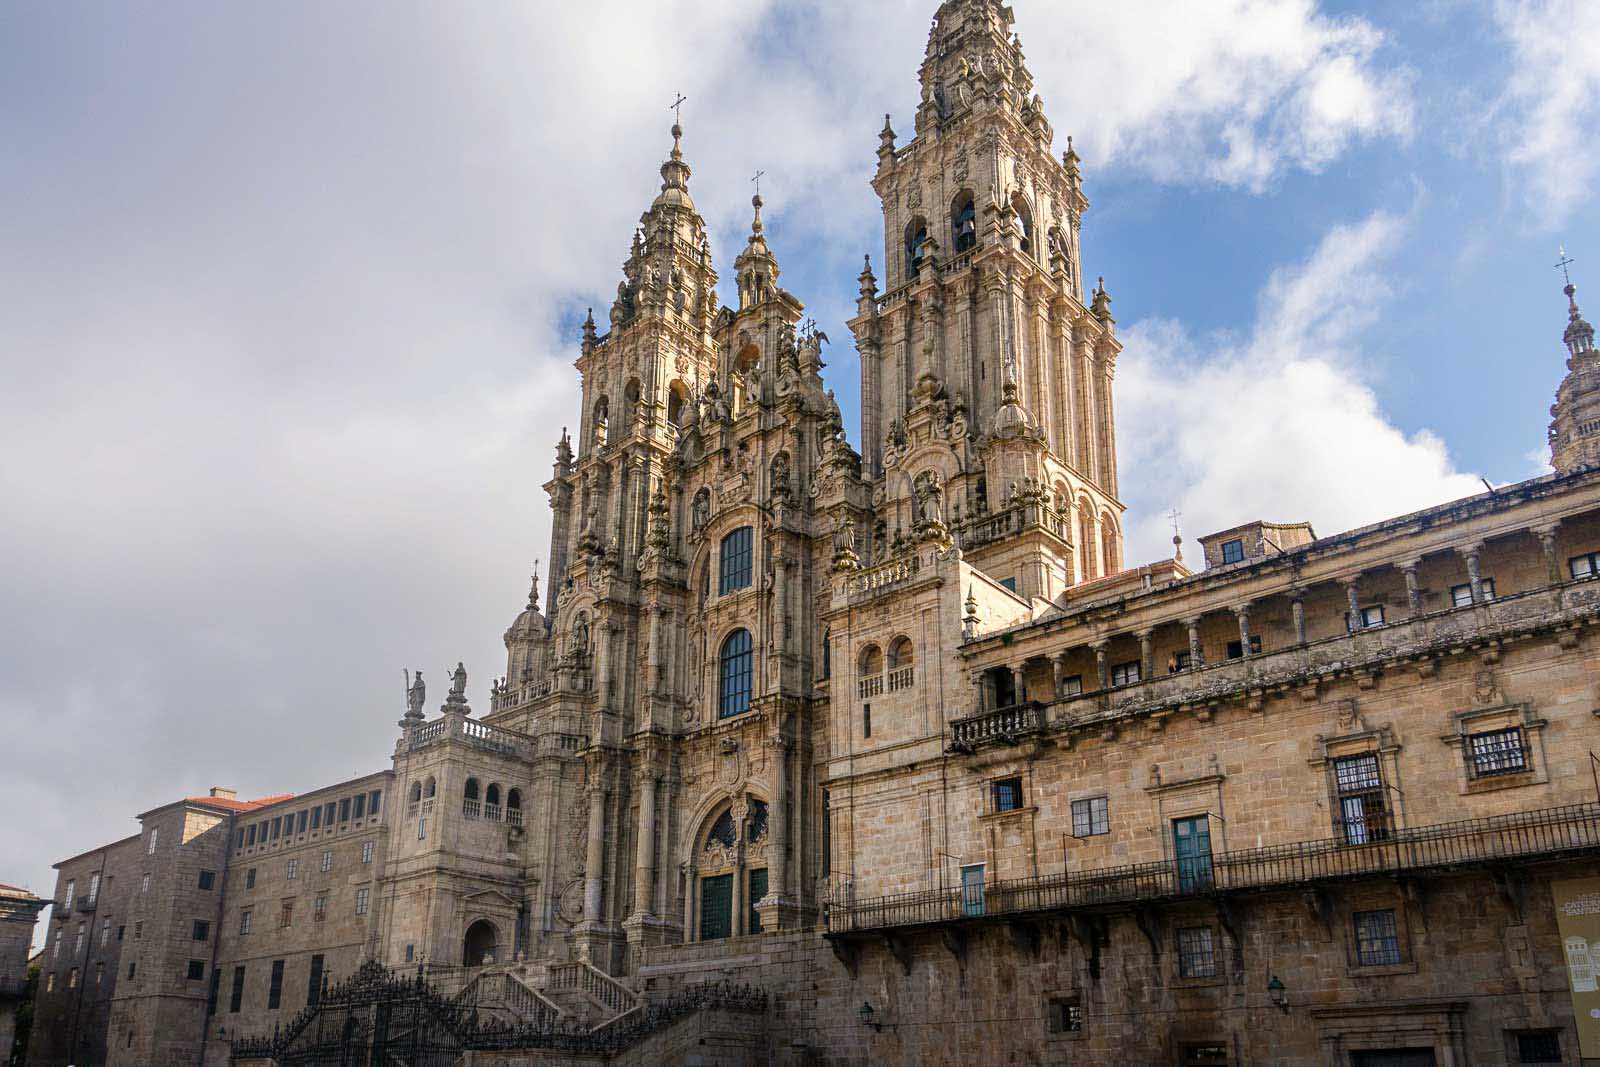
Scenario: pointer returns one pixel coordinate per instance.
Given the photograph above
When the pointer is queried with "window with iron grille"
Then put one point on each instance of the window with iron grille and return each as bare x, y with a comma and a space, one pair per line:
1066, 1015
1181, 661
1377, 938
1362, 813
738, 549
1539, 1046
1584, 566
1497, 752
1197, 957
1008, 794
1091, 817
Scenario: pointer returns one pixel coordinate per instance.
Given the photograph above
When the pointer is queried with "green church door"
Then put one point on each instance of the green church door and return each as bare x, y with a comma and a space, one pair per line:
716, 907
758, 891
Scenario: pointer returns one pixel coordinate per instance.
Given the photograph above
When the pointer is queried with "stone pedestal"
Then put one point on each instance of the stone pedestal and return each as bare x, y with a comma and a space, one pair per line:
781, 913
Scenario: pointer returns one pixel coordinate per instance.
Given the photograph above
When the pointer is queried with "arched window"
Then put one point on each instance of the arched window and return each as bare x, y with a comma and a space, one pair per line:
492, 795
1022, 220
514, 800
469, 799
871, 661
416, 792
758, 820
630, 405
733, 692
472, 789
900, 653
721, 832
916, 239
964, 223
738, 551
1110, 555
598, 426
677, 402
430, 789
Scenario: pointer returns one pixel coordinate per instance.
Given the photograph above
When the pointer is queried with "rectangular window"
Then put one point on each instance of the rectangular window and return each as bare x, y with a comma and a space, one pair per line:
1363, 815
422, 828
827, 835
1585, 566
316, 818
250, 838
737, 556
344, 810
1233, 551
238, 839
1125, 673
72, 978
366, 851
300, 822
1236, 648
1461, 595
277, 827
411, 953
327, 814
1009, 583
1498, 752
151, 850
1197, 957
314, 984
319, 908
244, 922
292, 869
208, 879
1372, 616
105, 932
99, 973
250, 878
197, 971
214, 992
866, 720
1072, 686
1066, 1015
275, 990
1091, 817
94, 887
144, 884
286, 916
133, 968
361, 901
50, 980
1007, 794
360, 806
1539, 1046
72, 890
374, 799
202, 930
236, 998
327, 860
1377, 939
138, 932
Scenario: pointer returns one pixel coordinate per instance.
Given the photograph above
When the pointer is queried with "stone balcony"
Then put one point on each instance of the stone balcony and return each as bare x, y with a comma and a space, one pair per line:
1547, 834
472, 732
1364, 654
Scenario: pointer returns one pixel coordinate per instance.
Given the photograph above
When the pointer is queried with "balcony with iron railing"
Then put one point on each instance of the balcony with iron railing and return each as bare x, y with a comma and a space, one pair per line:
1547, 834
1363, 650
87, 902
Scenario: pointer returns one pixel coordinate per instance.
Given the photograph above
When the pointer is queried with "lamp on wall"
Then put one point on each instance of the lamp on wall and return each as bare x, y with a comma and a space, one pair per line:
1278, 994
866, 1016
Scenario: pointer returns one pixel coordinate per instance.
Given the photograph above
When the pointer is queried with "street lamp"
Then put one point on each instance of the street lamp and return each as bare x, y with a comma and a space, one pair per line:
866, 1016
1278, 994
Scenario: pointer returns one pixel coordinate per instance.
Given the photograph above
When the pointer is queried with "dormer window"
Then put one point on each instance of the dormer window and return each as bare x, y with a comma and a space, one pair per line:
1233, 551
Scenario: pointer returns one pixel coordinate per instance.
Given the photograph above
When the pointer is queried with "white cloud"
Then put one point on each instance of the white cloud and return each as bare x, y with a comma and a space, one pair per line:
1549, 115
1278, 425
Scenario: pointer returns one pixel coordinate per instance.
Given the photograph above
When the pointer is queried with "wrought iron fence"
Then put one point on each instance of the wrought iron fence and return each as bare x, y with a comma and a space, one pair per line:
1523, 835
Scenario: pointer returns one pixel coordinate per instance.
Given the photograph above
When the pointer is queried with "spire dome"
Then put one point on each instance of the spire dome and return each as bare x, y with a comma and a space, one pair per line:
1575, 416
757, 266
1579, 335
675, 176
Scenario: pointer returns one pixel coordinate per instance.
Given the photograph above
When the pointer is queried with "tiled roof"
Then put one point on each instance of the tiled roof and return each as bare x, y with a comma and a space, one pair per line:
238, 805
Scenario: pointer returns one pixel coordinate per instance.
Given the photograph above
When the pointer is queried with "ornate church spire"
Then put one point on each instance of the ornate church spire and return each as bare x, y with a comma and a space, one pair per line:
1575, 416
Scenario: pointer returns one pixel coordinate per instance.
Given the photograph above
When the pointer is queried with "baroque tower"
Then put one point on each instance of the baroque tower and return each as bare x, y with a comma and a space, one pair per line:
1575, 416
982, 340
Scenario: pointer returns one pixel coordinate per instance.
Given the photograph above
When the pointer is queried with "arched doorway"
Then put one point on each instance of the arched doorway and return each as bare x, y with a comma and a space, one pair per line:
478, 948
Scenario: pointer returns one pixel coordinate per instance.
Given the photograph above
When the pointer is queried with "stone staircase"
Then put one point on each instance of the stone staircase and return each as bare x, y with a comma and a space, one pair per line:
556, 996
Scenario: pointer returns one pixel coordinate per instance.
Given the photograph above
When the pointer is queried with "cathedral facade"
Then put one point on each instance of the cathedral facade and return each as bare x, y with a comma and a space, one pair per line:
896, 736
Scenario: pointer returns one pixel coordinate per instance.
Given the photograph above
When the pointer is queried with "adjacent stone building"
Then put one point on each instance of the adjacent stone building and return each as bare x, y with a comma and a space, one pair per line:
897, 736
19, 913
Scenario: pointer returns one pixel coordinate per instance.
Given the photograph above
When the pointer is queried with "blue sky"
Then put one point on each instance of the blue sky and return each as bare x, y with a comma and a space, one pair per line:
291, 297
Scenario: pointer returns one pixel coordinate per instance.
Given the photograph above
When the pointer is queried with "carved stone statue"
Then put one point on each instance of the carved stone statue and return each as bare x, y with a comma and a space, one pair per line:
416, 695
930, 502
458, 685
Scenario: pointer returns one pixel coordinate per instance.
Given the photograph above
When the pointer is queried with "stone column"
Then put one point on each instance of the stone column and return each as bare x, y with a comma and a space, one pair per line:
644, 892
1471, 554
690, 877
602, 663
1018, 688
979, 691
1413, 586
653, 650
1146, 654
594, 869
1100, 666
1242, 612
1352, 592
780, 615
778, 818
1298, 607
1196, 660
1058, 671
1552, 563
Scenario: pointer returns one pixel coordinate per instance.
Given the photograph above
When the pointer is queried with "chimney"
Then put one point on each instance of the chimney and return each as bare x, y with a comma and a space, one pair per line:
219, 793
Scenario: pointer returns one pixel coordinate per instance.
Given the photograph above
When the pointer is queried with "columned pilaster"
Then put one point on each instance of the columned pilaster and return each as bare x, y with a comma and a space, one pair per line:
1352, 592
1196, 660
1297, 607
1413, 586
1242, 613
1101, 668
1472, 554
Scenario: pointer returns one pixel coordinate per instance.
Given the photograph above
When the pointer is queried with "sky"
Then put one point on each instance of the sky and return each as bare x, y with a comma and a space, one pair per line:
290, 295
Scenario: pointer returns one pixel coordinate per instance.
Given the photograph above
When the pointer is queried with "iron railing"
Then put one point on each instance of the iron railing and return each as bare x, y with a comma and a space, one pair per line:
1549, 832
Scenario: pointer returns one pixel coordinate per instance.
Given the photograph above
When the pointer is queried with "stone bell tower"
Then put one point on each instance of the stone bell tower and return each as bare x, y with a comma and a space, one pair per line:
1575, 416
985, 320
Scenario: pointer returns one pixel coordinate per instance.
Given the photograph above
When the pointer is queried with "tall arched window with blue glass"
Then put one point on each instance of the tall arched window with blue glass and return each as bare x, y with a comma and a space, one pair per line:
734, 674
736, 561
